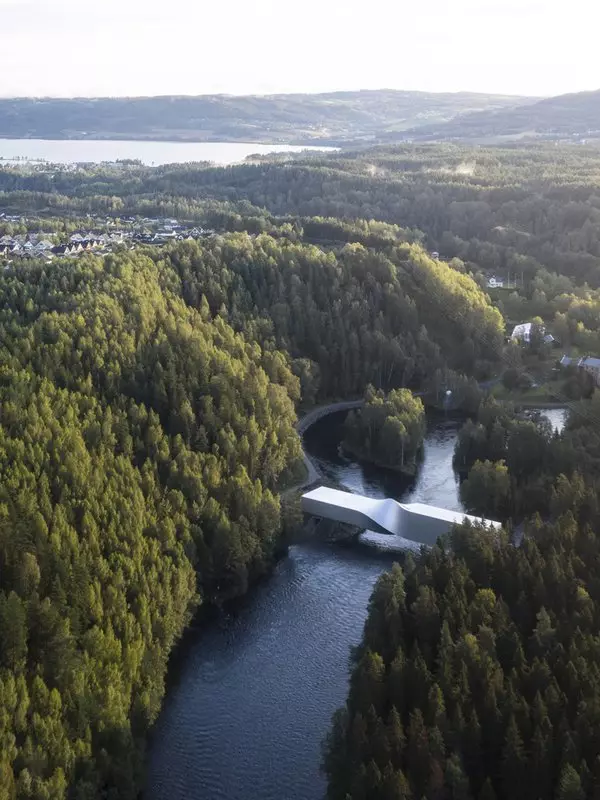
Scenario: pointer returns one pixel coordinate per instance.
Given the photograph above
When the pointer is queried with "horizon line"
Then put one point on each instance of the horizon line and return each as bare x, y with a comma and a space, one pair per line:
266, 95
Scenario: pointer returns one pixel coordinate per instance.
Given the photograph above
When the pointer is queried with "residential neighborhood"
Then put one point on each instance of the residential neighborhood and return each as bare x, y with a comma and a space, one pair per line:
103, 237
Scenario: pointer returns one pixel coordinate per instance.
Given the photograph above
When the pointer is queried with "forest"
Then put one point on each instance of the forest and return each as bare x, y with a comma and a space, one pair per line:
519, 211
147, 408
142, 443
148, 401
477, 675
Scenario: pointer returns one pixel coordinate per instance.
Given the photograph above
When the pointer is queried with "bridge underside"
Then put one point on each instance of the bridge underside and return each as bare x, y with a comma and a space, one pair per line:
415, 521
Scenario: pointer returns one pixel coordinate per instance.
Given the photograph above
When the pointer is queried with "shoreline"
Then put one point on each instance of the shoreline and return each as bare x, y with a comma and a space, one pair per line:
364, 459
316, 144
537, 404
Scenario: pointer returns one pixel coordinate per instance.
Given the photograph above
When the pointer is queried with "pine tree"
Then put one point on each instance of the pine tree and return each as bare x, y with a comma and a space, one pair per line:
569, 785
396, 738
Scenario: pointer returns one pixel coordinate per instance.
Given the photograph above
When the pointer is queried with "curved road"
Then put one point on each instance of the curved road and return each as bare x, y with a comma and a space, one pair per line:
304, 423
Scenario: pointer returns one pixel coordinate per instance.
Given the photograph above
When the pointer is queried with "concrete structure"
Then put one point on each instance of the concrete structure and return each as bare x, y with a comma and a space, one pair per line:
414, 521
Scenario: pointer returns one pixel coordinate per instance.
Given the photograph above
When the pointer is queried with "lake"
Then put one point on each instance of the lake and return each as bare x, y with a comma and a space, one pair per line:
75, 151
252, 694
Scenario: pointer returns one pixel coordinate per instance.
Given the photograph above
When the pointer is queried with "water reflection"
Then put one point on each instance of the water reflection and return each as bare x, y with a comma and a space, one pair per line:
435, 482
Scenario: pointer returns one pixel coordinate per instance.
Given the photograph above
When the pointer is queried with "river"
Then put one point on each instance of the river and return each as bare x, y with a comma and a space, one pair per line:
80, 151
252, 699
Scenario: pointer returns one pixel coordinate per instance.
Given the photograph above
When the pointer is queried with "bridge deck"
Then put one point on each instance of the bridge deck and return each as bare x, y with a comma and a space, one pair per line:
415, 521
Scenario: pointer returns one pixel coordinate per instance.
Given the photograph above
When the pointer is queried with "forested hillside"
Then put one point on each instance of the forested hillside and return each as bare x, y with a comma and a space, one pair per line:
147, 405
335, 118
514, 210
477, 673
565, 116
502, 209
390, 316
139, 439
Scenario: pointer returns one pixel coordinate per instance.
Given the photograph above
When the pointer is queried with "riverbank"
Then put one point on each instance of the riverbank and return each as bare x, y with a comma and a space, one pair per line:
536, 404
408, 470
254, 688
304, 423
546, 395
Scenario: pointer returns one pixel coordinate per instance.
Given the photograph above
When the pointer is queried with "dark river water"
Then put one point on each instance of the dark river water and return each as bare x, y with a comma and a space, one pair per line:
253, 696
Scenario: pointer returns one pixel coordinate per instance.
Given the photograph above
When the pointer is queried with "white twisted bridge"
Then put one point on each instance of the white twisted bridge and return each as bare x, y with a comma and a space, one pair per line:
414, 521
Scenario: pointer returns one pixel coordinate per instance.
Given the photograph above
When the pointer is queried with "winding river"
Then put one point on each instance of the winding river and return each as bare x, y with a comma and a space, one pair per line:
252, 694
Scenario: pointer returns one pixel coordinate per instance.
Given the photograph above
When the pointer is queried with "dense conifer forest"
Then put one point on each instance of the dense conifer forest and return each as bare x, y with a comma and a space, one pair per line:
477, 673
147, 410
148, 399
388, 430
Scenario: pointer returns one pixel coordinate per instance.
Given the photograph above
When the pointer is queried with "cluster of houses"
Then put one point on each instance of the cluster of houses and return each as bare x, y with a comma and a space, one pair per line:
146, 231
38, 247
524, 332
150, 231
25, 246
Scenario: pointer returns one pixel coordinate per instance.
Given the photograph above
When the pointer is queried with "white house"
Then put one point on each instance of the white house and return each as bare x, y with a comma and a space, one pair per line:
522, 332
43, 246
495, 283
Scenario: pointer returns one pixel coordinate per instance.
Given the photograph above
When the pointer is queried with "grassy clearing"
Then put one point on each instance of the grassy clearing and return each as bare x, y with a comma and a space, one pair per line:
548, 392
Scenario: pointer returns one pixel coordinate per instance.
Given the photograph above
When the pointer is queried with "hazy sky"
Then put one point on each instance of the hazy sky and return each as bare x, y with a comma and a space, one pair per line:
131, 47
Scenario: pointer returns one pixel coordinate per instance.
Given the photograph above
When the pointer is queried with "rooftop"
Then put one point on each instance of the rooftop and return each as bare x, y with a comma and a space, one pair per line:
457, 517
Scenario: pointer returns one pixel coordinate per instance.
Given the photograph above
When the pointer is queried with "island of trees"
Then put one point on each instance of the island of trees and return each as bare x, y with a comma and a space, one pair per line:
387, 430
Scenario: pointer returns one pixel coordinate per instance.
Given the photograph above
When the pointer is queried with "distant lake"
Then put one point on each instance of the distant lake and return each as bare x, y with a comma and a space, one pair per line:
74, 151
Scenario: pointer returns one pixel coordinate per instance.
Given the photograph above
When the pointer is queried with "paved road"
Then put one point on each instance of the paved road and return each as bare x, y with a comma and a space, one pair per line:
317, 413
304, 423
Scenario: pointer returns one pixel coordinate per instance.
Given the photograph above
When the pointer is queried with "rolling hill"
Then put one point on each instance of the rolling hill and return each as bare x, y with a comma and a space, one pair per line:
334, 118
565, 116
